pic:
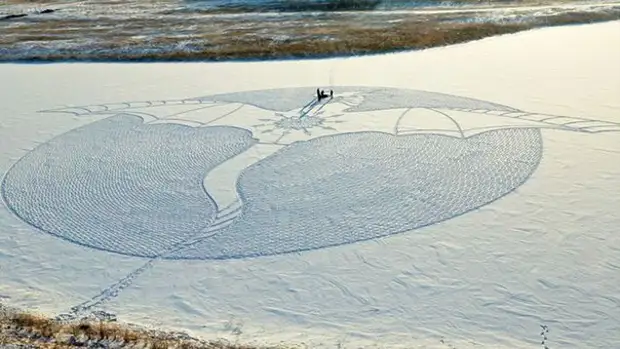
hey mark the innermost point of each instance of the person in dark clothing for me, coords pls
(320, 94)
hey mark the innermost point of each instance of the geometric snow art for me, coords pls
(270, 172)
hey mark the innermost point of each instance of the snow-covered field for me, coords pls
(458, 197)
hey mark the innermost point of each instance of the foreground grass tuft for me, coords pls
(20, 329)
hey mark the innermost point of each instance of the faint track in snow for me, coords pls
(106, 294)
(113, 290)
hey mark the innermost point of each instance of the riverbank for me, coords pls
(29, 330)
(266, 36)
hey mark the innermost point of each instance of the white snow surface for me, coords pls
(547, 253)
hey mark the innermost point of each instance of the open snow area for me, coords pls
(456, 197)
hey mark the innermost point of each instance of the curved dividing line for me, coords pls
(582, 121)
(191, 110)
(88, 111)
(228, 214)
(586, 130)
(228, 206)
(552, 117)
(176, 122)
(563, 126)
(142, 115)
(399, 119)
(225, 115)
(60, 111)
(438, 132)
(451, 119)
(522, 114)
(284, 134)
(67, 111)
(441, 132)
(128, 105)
(217, 225)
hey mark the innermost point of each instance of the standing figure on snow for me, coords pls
(320, 94)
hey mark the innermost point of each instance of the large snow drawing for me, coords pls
(269, 172)
(259, 173)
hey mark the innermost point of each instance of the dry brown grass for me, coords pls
(226, 39)
(342, 40)
(41, 332)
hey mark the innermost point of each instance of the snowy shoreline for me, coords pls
(26, 330)
(92, 36)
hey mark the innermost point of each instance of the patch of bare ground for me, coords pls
(27, 330)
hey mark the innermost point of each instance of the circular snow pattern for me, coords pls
(134, 188)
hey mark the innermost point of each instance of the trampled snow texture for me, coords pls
(358, 186)
(120, 185)
(133, 188)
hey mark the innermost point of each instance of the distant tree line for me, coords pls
(302, 5)
(327, 5)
